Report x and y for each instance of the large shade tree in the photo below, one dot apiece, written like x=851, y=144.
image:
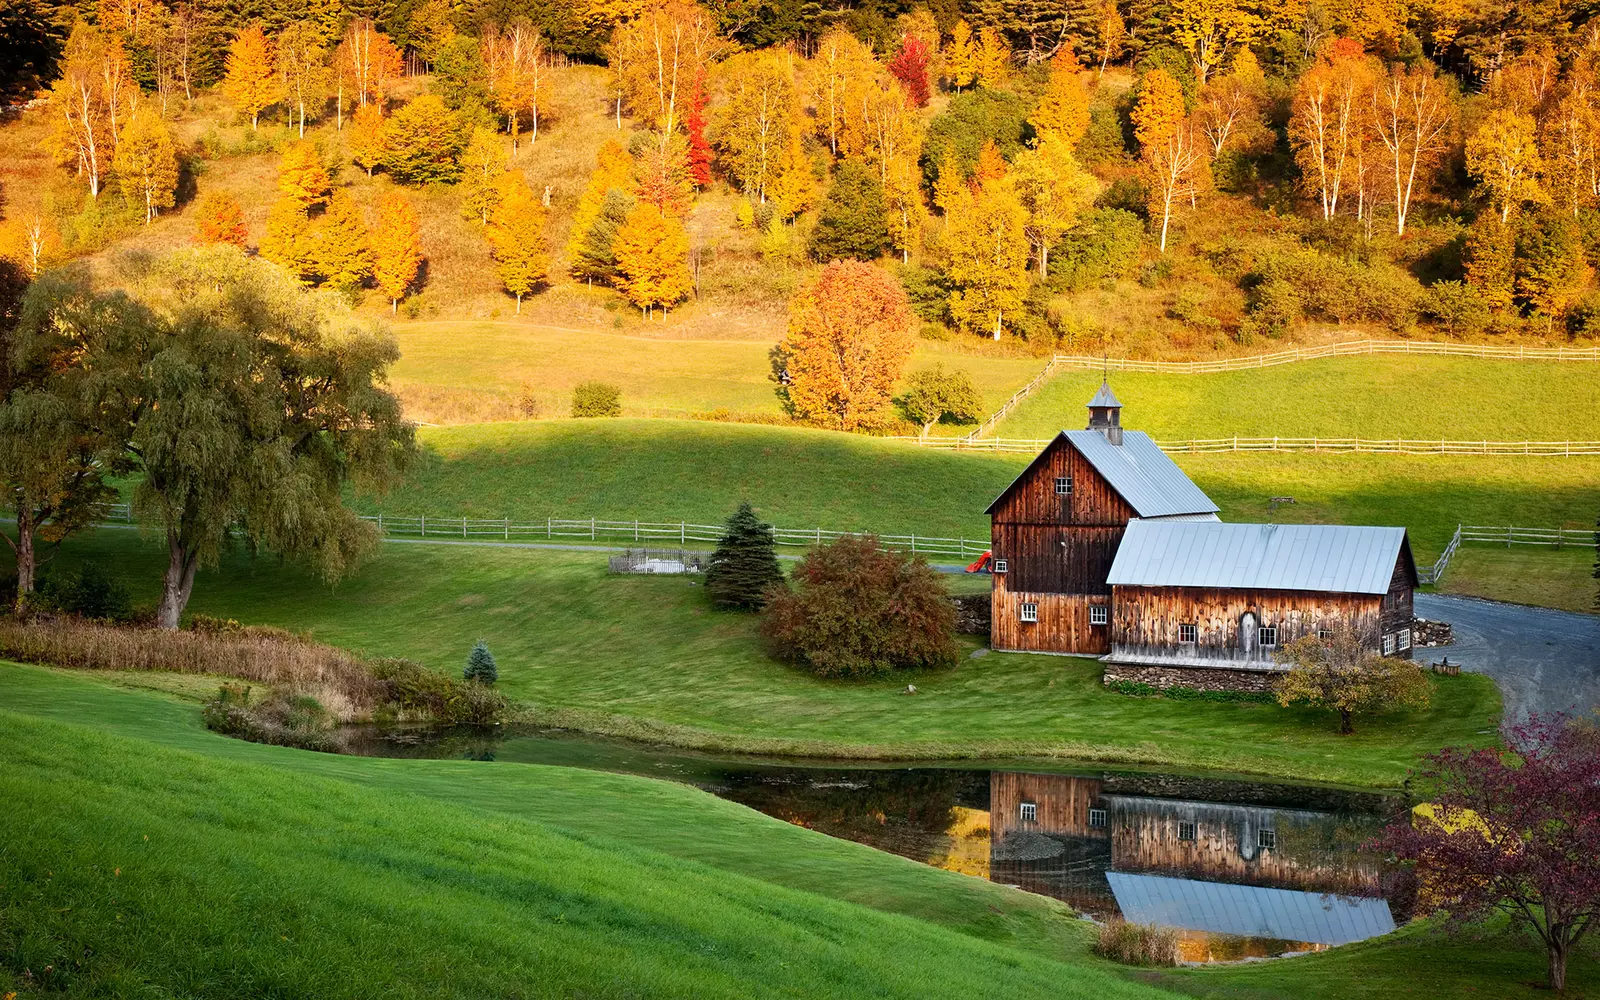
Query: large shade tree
x=244, y=405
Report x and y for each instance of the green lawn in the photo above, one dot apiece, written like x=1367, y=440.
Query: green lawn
x=146, y=856
x=456, y=371
x=1527, y=575
x=670, y=470
x=1373, y=396
x=648, y=657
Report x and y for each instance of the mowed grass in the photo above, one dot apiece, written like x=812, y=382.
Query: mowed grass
x=1539, y=575
x=386, y=821
x=666, y=470
x=459, y=371
x=1369, y=396
x=133, y=869
x=648, y=657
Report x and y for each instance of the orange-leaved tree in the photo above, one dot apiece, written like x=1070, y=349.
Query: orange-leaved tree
x=146, y=163
x=653, y=258
x=1172, y=147
x=219, y=219
x=396, y=247
x=366, y=138
x=252, y=80
x=516, y=234
x=1064, y=108
x=367, y=62
x=301, y=176
x=848, y=340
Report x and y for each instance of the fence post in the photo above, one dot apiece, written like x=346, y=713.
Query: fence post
x=683, y=532
x=380, y=522
x=508, y=529
x=424, y=526
x=463, y=526
x=547, y=532
x=636, y=530
x=592, y=535
x=819, y=536
x=1508, y=536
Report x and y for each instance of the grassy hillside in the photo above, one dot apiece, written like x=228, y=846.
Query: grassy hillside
x=648, y=657
x=1367, y=396
x=681, y=470
x=463, y=371
x=237, y=818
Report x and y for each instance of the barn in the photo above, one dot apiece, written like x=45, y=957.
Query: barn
x=1103, y=546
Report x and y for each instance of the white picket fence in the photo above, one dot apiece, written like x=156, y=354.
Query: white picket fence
x=1349, y=347
x=1507, y=535
x=1336, y=445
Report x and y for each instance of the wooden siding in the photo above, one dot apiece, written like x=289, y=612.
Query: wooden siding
x=1063, y=625
x=1057, y=559
x=1145, y=622
x=1033, y=499
x=1397, y=610
x=1062, y=802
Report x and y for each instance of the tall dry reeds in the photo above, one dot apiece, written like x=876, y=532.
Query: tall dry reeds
x=1137, y=944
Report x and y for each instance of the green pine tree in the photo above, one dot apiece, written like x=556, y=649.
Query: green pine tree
x=595, y=258
x=854, y=221
x=745, y=563
x=480, y=665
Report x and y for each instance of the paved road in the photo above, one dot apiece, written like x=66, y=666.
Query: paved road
x=1544, y=661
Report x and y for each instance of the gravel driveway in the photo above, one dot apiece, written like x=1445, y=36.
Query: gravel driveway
x=1543, y=660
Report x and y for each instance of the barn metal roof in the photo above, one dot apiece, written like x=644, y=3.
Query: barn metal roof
x=1248, y=910
x=1318, y=557
x=1105, y=397
x=1138, y=470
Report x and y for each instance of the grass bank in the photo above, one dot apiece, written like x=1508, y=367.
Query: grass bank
x=361, y=867
x=647, y=657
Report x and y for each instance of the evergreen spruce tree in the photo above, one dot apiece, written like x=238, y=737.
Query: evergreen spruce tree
x=480, y=665
x=745, y=563
x=595, y=258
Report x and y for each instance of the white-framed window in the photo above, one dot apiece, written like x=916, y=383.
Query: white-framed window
x=1324, y=634
x=1267, y=839
x=1186, y=831
x=999, y=565
x=1098, y=614
x=1267, y=635
x=1388, y=643
x=1404, y=639
x=1189, y=632
x=1097, y=817
x=1028, y=812
x=1029, y=612
x=1063, y=486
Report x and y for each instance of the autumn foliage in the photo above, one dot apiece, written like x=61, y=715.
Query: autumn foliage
x=516, y=234
x=396, y=247
x=252, y=80
x=652, y=251
x=219, y=219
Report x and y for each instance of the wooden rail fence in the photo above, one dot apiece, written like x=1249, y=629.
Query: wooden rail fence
x=1507, y=535
x=1349, y=347
x=1011, y=404
x=1346, y=445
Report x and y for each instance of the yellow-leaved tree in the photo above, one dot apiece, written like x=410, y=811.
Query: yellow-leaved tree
x=341, y=247
x=396, y=247
x=252, y=81
x=1053, y=189
x=1503, y=155
x=985, y=244
x=301, y=176
x=653, y=259
x=516, y=235
x=961, y=56
x=146, y=163
x=1064, y=108
x=482, y=164
x=795, y=188
x=29, y=236
x=848, y=340
x=993, y=60
x=754, y=116
x=1212, y=29
x=1172, y=148
x=366, y=136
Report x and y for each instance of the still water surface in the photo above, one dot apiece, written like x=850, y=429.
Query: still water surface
x=1242, y=869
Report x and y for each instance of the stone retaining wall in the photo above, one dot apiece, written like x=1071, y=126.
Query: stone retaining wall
x=1199, y=678
x=974, y=614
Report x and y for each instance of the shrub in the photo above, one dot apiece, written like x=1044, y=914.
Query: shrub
x=859, y=609
x=928, y=292
x=281, y=719
x=1137, y=944
x=1105, y=245
x=409, y=690
x=744, y=566
x=596, y=399
x=90, y=592
x=933, y=394
x=1457, y=307
x=480, y=667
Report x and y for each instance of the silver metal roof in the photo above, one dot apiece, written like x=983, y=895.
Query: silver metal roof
x=1249, y=911
x=1105, y=397
x=1329, y=558
x=1150, y=481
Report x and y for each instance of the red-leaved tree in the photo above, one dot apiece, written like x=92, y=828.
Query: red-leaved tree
x=1513, y=831
x=694, y=123
x=910, y=67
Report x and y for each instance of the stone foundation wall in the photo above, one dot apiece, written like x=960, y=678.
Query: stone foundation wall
x=1425, y=633
x=974, y=613
x=1199, y=678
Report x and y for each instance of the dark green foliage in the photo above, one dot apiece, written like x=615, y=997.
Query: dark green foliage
x=480, y=665
x=1176, y=62
x=1550, y=265
x=596, y=399
x=90, y=592
x=853, y=220
x=1457, y=307
x=1104, y=143
x=959, y=132
x=859, y=609
x=595, y=259
x=934, y=394
x=30, y=43
x=423, y=143
x=745, y=564
x=1275, y=306
x=1105, y=245
x=928, y=291
x=1490, y=261
x=459, y=77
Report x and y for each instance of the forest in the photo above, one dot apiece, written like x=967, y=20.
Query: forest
x=1168, y=175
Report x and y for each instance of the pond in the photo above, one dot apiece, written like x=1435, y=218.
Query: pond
x=1241, y=869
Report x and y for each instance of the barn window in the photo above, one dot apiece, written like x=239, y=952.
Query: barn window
x=1097, y=614
x=1268, y=636
x=1097, y=817
x=999, y=565
x=1029, y=811
x=1267, y=839
x=1186, y=831
x=1388, y=643
x=1324, y=634
x=1189, y=632
x=1063, y=486
x=1030, y=612
x=1405, y=639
